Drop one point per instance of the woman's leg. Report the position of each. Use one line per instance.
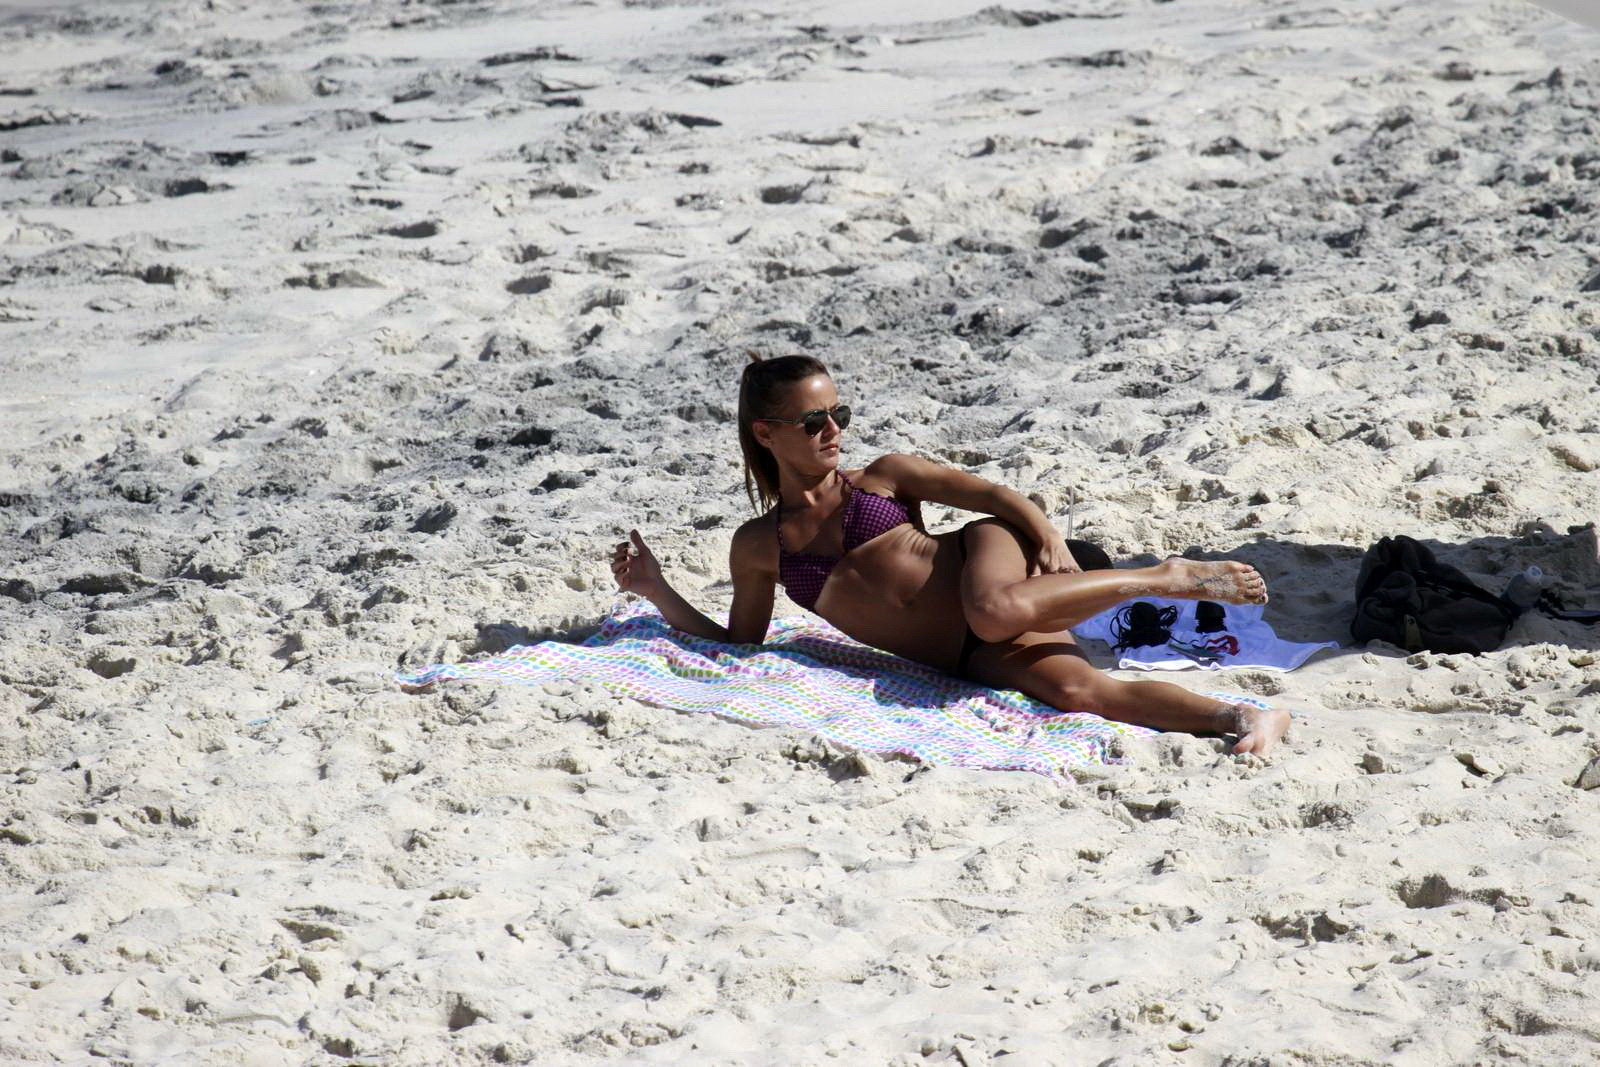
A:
(1001, 600)
(1051, 668)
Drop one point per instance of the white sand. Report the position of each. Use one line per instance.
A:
(1264, 279)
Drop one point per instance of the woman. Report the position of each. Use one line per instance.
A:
(990, 602)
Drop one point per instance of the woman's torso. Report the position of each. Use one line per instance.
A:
(886, 583)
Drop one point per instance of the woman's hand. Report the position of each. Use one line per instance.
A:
(1054, 557)
(637, 571)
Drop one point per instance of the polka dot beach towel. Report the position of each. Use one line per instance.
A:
(810, 677)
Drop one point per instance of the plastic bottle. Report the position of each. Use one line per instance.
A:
(1523, 591)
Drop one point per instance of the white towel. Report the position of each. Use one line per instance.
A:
(1245, 640)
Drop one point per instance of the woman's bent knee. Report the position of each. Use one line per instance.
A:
(995, 616)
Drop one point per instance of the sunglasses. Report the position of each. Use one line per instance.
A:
(813, 422)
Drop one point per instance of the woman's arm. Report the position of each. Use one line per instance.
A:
(682, 615)
(926, 480)
(754, 577)
(752, 597)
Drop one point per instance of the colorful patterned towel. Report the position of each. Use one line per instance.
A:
(812, 677)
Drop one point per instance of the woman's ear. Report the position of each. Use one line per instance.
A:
(762, 432)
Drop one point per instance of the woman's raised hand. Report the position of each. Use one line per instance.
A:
(1054, 557)
(637, 571)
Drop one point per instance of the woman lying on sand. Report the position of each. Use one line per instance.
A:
(990, 602)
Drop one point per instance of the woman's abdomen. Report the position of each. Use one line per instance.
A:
(901, 592)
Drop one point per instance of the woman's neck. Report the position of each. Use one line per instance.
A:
(796, 490)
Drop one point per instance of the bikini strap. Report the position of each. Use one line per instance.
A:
(850, 498)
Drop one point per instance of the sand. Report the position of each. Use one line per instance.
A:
(343, 338)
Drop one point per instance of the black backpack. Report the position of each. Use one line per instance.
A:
(1408, 598)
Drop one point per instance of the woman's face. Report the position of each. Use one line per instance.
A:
(789, 443)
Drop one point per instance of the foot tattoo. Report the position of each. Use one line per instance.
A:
(1231, 583)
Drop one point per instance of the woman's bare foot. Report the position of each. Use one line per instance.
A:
(1231, 583)
(1258, 729)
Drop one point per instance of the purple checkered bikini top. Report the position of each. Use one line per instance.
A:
(866, 515)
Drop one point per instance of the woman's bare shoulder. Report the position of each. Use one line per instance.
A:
(888, 472)
(755, 545)
(895, 461)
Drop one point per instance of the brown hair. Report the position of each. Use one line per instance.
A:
(761, 387)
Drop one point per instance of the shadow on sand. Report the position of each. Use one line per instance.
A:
(1313, 586)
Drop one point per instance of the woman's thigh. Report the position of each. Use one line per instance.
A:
(1048, 667)
(996, 556)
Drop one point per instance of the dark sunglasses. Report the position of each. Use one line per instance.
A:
(813, 422)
